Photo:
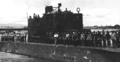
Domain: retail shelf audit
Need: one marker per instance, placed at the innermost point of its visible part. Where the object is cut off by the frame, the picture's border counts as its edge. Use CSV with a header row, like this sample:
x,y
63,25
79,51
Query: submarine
x,y
57,36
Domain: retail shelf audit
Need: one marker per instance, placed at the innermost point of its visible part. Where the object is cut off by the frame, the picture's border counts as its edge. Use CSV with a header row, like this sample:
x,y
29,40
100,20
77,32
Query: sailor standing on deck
x,y
89,39
82,39
26,37
99,39
15,37
75,38
0,37
6,37
113,39
119,37
107,36
67,38
56,35
23,37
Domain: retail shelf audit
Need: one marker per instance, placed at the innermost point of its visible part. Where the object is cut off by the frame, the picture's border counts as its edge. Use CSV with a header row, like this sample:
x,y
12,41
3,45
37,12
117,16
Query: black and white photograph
x,y
59,30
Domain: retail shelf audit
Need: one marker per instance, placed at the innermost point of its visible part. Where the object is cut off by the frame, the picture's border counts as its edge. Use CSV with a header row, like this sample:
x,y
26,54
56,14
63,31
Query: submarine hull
x,y
60,52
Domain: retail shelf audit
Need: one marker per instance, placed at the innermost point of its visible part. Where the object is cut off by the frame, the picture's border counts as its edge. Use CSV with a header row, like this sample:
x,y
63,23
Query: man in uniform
x,y
26,37
107,37
56,35
89,39
0,37
67,38
113,39
82,38
118,39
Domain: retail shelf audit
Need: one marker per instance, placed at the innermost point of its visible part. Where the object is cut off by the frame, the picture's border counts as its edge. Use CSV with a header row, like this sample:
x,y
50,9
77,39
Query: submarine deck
x,y
107,54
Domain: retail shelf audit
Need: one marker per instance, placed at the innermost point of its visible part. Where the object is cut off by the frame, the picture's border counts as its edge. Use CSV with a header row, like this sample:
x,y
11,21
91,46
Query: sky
x,y
95,12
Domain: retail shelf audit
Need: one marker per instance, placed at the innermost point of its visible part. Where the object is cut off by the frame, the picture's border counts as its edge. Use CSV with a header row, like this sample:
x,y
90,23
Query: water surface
x,y
9,57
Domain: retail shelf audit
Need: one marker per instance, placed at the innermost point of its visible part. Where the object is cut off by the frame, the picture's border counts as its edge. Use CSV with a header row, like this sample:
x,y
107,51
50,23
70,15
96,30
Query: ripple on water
x,y
9,57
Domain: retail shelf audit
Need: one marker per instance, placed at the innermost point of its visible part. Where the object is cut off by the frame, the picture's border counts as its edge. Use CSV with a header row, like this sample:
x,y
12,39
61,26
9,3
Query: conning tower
x,y
54,20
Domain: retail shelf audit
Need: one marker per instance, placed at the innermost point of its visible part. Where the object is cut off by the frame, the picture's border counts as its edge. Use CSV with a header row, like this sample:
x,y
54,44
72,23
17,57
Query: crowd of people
x,y
83,38
95,38
13,37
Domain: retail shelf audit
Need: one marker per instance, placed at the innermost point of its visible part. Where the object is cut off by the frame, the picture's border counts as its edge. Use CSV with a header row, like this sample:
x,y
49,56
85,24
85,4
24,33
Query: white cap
x,y
56,35
67,35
